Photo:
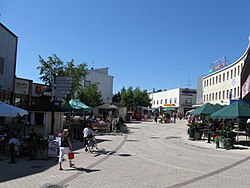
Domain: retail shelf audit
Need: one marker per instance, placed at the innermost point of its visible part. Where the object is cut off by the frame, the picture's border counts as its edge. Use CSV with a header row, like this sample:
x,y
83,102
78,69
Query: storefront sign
x,y
218,64
21,86
246,87
169,104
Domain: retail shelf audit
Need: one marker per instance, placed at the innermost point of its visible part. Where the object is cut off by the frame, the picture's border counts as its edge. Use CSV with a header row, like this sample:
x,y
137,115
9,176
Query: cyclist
x,y
87,134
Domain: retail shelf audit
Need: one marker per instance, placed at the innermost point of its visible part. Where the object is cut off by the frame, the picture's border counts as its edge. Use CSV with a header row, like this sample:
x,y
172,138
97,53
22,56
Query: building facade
x,y
224,84
245,79
180,100
104,82
8,55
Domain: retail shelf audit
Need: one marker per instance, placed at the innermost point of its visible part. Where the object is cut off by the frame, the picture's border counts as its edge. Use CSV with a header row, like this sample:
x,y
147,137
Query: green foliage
x,y
134,97
90,95
54,66
194,125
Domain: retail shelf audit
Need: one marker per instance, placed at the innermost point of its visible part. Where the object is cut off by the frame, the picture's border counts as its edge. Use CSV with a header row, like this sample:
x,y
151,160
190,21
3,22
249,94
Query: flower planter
x,y
194,134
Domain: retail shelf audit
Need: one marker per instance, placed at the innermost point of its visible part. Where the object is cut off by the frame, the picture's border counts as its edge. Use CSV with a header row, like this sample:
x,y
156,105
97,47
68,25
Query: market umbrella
x,y
232,111
235,110
78,105
7,110
107,106
205,109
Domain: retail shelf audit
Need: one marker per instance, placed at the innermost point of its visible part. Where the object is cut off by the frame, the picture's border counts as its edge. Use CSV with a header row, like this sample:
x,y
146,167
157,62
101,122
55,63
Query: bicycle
x,y
91,144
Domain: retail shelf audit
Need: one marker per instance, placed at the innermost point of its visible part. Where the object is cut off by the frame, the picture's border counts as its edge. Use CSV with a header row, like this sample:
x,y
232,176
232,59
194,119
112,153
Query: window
x,y
213,97
157,102
210,81
166,101
234,72
238,70
219,95
204,98
216,96
161,101
216,79
227,94
39,118
238,93
188,101
231,73
1,65
227,75
234,92
223,95
205,83
224,76
87,83
210,97
213,80
170,101
220,78
175,100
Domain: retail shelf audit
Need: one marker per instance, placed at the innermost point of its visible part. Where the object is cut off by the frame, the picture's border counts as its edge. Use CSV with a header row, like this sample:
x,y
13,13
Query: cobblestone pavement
x,y
150,155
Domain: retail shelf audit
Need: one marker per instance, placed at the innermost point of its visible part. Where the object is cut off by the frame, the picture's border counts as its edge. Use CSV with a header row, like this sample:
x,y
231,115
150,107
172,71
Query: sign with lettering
x,y
218,64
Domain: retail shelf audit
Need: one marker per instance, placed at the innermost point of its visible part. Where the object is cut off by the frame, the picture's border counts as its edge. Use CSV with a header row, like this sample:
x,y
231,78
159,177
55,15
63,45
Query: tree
x,y
90,95
54,66
136,97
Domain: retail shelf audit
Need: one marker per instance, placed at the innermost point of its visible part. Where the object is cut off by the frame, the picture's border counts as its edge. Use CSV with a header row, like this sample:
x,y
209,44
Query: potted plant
x,y
39,147
225,138
193,131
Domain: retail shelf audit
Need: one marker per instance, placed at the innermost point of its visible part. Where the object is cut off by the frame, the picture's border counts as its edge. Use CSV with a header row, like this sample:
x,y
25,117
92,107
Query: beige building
x,y
224,83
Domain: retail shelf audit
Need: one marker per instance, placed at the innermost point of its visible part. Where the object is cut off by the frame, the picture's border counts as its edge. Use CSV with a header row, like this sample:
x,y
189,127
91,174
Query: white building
x,y
179,100
104,82
224,84
8,53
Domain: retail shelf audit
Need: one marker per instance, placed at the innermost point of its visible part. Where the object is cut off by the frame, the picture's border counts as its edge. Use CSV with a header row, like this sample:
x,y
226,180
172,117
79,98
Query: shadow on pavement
x,y
24,167
83,169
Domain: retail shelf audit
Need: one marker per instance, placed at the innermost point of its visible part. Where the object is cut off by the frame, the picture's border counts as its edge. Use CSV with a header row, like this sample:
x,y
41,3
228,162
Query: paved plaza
x,y
150,155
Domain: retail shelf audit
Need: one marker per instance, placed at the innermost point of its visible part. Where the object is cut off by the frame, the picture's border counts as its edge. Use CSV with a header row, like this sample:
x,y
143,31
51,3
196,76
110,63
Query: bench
x,y
100,127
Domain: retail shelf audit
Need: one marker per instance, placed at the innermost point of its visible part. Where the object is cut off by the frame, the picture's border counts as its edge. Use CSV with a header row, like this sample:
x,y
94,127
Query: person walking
x,y
65,147
87,134
175,118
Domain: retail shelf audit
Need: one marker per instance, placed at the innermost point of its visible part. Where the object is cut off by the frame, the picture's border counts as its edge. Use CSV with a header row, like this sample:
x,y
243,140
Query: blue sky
x,y
161,44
